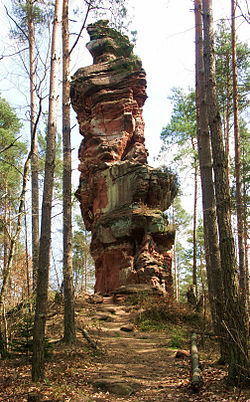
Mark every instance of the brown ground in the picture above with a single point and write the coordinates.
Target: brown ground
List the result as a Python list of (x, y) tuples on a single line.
[(126, 366)]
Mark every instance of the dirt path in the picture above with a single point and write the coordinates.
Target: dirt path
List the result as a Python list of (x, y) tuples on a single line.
[(128, 365), (138, 366)]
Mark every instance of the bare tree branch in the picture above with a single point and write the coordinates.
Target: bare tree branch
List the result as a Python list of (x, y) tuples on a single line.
[(245, 16), (82, 28), (13, 54), (11, 164), (18, 26)]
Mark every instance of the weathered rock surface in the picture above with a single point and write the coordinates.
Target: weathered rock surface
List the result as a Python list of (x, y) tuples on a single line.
[(122, 199), (115, 386)]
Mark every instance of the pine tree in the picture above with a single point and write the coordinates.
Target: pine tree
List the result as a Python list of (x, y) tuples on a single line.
[(235, 313), (45, 239), (29, 17), (212, 255), (181, 131)]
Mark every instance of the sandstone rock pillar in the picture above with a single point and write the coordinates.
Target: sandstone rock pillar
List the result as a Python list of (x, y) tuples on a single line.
[(122, 199)]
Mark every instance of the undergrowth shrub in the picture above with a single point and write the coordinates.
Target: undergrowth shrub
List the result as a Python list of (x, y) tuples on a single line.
[(156, 312), (21, 342)]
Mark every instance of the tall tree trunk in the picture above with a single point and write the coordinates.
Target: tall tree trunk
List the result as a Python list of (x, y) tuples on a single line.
[(212, 253), (245, 223), (45, 239), (203, 290), (194, 271), (34, 160), (85, 272), (226, 136), (235, 319), (27, 256), (82, 271), (237, 161), (5, 233), (175, 260), (69, 317)]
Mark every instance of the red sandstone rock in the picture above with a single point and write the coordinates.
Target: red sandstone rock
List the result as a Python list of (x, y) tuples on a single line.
[(121, 197)]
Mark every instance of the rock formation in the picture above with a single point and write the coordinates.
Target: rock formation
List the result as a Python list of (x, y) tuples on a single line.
[(122, 199)]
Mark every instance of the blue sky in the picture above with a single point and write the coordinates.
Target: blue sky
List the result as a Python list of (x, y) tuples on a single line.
[(166, 46)]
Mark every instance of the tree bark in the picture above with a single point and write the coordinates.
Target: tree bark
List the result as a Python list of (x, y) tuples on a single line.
[(176, 293), (235, 319), (194, 271), (245, 223), (212, 252), (34, 159), (69, 317), (27, 257), (45, 239), (5, 233), (237, 161)]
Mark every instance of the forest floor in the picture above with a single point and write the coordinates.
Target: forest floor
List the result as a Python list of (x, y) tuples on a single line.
[(129, 363)]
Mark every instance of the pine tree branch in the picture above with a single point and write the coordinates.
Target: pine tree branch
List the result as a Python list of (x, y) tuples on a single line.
[(9, 146), (17, 25)]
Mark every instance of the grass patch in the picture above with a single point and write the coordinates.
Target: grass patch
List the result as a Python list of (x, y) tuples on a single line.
[(149, 325), (154, 313), (137, 299), (178, 338)]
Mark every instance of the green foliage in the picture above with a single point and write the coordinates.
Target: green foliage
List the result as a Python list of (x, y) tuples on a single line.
[(178, 337), (180, 133), (170, 172), (245, 169), (137, 299), (11, 158), (182, 218), (81, 253), (146, 325), (182, 221), (22, 339), (115, 11), (38, 11), (116, 43), (223, 53), (122, 46), (183, 120), (9, 121)]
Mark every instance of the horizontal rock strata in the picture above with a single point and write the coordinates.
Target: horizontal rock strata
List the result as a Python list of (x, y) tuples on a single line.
[(122, 199)]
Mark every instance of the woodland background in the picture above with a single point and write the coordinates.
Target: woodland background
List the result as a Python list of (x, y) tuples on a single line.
[(37, 68)]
